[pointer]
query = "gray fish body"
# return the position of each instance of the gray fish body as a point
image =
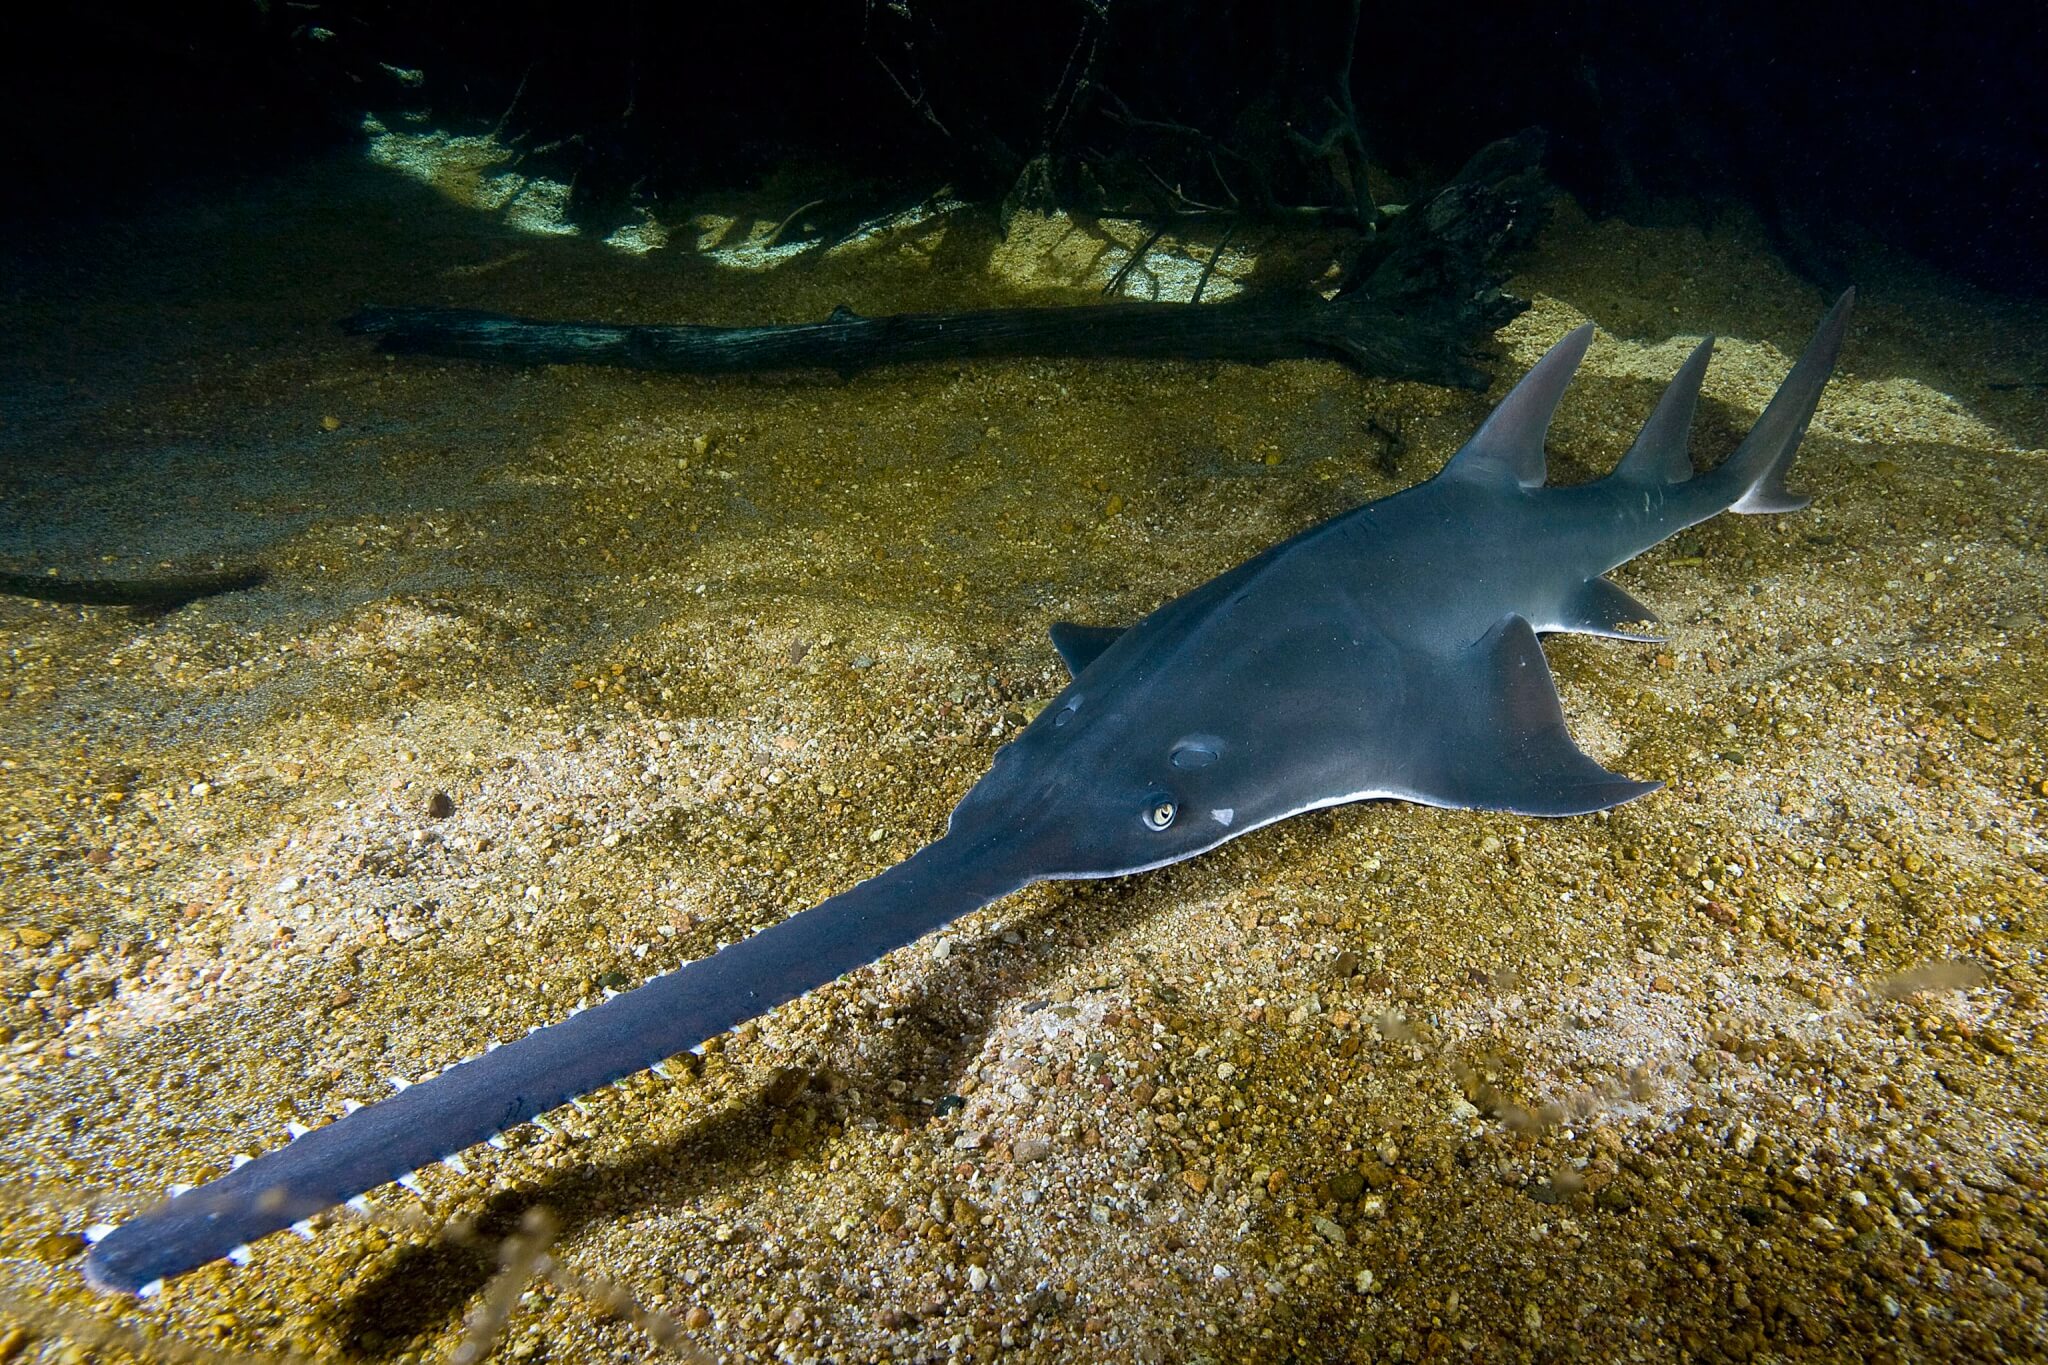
(1389, 652)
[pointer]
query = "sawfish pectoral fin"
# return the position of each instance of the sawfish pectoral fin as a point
(1498, 739)
(1079, 646)
(1600, 607)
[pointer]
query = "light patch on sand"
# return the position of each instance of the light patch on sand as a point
(373, 866)
(750, 247)
(1747, 373)
(897, 224)
(638, 239)
(1043, 250)
(749, 244)
(473, 171)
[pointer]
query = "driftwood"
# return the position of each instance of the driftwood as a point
(1378, 341)
(163, 594)
(1422, 297)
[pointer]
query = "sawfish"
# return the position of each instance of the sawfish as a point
(1389, 652)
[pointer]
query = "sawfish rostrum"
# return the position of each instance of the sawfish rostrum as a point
(1389, 652)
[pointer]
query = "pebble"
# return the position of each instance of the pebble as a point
(33, 938)
(58, 1247)
(1958, 1234)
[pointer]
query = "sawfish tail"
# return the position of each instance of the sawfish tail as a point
(1657, 475)
(473, 1102)
(1753, 478)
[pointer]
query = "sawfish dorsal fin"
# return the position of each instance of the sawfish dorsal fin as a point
(1079, 646)
(1509, 446)
(1660, 454)
(1497, 738)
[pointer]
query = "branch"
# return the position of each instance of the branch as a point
(145, 594)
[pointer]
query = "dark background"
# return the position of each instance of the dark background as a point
(1842, 126)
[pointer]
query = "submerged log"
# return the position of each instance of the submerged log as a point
(1427, 345)
(163, 594)
(1422, 296)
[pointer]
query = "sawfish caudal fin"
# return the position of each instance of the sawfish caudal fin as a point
(1508, 447)
(1753, 478)
(1497, 739)
(480, 1098)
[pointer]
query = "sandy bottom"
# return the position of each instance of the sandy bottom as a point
(1749, 1069)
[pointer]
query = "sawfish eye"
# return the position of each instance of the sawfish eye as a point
(1161, 815)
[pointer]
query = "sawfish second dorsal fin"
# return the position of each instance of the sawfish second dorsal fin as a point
(1659, 455)
(1509, 446)
(1078, 646)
